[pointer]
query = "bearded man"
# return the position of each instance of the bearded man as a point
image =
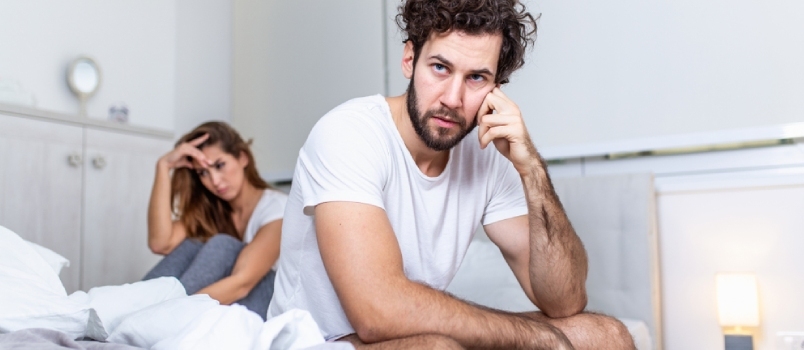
(388, 192)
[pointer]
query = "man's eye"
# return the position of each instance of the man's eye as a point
(439, 67)
(476, 77)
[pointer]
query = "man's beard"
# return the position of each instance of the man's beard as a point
(438, 139)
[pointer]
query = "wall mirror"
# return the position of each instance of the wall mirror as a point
(84, 78)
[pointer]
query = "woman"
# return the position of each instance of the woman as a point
(216, 220)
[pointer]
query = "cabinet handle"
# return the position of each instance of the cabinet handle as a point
(99, 162)
(74, 160)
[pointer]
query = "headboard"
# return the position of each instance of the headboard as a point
(615, 217)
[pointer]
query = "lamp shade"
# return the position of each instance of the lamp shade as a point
(737, 301)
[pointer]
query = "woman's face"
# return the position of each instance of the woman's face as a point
(225, 175)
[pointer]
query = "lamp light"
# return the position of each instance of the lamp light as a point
(738, 307)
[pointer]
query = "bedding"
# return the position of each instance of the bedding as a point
(53, 259)
(155, 314)
(48, 339)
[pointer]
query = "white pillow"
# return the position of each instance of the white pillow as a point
(32, 295)
(56, 261)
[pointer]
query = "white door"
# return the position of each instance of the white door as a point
(120, 170)
(40, 186)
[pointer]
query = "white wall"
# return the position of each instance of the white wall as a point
(296, 60)
(133, 41)
(203, 62)
(622, 69)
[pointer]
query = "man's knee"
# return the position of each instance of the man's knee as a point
(590, 330)
(596, 331)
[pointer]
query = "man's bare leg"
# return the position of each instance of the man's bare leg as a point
(590, 330)
(414, 342)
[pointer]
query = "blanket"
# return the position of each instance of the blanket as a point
(153, 314)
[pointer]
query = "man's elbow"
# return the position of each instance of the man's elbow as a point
(375, 325)
(566, 307)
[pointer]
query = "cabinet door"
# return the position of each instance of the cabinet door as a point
(120, 171)
(40, 191)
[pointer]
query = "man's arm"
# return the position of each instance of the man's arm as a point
(553, 268)
(363, 260)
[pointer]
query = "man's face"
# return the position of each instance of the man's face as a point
(451, 77)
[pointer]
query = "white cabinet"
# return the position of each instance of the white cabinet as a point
(118, 178)
(40, 191)
(82, 191)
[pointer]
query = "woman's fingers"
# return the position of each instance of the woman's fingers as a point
(195, 153)
(198, 140)
(184, 155)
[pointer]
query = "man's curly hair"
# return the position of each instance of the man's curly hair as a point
(420, 18)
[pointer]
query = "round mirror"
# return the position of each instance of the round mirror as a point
(84, 78)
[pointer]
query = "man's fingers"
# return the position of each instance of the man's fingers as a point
(500, 102)
(493, 133)
(498, 119)
(485, 108)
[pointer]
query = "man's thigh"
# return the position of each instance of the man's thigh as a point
(415, 342)
(590, 330)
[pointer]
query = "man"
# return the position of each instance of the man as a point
(387, 194)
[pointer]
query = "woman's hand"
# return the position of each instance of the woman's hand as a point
(183, 155)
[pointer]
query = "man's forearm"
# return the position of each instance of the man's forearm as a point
(558, 262)
(416, 309)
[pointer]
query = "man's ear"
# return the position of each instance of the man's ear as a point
(407, 60)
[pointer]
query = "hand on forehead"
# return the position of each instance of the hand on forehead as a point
(213, 154)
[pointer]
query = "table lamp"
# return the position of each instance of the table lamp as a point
(738, 307)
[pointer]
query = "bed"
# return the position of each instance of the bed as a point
(615, 218)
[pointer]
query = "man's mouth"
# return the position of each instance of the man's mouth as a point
(444, 122)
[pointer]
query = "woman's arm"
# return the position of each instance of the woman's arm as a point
(253, 263)
(164, 234)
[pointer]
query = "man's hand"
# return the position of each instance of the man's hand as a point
(506, 129)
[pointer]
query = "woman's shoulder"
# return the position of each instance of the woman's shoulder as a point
(271, 204)
(270, 208)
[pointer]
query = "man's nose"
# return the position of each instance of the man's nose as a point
(453, 94)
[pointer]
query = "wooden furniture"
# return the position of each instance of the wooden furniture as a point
(80, 187)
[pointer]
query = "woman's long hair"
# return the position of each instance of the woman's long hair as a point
(202, 212)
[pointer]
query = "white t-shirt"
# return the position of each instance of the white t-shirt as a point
(271, 207)
(356, 154)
